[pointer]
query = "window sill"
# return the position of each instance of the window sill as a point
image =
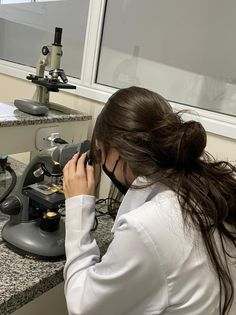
(216, 123)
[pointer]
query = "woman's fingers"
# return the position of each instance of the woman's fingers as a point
(78, 177)
(85, 170)
(90, 178)
(72, 164)
(80, 168)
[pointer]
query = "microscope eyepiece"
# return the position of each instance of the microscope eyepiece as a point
(57, 36)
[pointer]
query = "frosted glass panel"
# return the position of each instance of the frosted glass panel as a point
(183, 49)
(13, 1)
(23, 1)
(25, 28)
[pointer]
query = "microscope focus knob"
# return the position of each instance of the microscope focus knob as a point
(50, 221)
(45, 50)
(11, 205)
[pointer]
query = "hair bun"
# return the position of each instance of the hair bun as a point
(177, 144)
(192, 142)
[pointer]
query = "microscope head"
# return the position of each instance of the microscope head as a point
(50, 58)
(56, 72)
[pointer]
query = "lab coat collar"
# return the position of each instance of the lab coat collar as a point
(134, 198)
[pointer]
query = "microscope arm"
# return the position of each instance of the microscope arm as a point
(41, 93)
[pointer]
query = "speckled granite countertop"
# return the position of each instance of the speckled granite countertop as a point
(11, 116)
(22, 279)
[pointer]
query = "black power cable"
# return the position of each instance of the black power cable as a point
(60, 141)
(102, 209)
(12, 185)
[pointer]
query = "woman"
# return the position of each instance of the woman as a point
(174, 242)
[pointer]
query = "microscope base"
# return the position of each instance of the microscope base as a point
(31, 107)
(28, 238)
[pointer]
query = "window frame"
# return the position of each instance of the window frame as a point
(216, 123)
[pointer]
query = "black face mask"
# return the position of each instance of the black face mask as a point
(112, 177)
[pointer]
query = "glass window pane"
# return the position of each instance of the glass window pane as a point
(21, 1)
(13, 1)
(25, 28)
(183, 49)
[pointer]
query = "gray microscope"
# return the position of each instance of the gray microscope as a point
(36, 203)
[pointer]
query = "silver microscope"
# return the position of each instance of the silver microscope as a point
(50, 57)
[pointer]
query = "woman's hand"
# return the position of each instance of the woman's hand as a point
(78, 178)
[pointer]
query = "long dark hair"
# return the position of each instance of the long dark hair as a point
(156, 143)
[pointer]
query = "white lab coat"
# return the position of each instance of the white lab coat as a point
(154, 265)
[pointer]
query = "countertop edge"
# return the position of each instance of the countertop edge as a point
(30, 294)
(39, 120)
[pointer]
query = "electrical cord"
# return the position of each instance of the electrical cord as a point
(60, 141)
(12, 185)
(100, 212)
(95, 226)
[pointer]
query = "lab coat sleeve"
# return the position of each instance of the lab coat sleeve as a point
(128, 273)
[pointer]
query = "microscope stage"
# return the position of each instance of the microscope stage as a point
(51, 200)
